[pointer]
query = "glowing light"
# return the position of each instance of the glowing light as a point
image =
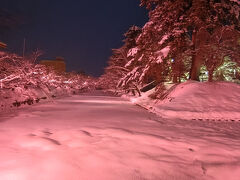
(133, 100)
(68, 82)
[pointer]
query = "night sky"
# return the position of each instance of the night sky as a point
(83, 32)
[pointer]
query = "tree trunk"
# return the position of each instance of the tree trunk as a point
(179, 78)
(175, 78)
(195, 69)
(196, 63)
(210, 76)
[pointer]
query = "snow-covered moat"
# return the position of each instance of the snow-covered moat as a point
(107, 138)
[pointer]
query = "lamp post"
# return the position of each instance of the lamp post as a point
(24, 46)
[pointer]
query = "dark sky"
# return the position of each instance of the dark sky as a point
(83, 32)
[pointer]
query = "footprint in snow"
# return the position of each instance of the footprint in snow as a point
(52, 141)
(47, 132)
(86, 133)
(41, 139)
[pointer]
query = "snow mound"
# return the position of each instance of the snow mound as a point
(200, 100)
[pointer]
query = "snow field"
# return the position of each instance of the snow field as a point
(100, 137)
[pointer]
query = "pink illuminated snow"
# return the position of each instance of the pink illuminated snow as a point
(196, 100)
(106, 138)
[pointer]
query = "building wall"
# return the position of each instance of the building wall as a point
(56, 65)
(3, 45)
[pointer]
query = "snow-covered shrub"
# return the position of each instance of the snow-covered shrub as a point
(24, 82)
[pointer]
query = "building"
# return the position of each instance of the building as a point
(58, 64)
(3, 45)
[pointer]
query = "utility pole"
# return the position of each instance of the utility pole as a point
(24, 46)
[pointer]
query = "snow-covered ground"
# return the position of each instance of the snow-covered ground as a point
(108, 138)
(218, 101)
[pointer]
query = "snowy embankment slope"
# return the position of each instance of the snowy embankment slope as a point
(197, 100)
(10, 99)
(107, 138)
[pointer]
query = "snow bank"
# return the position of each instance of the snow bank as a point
(20, 96)
(195, 100)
